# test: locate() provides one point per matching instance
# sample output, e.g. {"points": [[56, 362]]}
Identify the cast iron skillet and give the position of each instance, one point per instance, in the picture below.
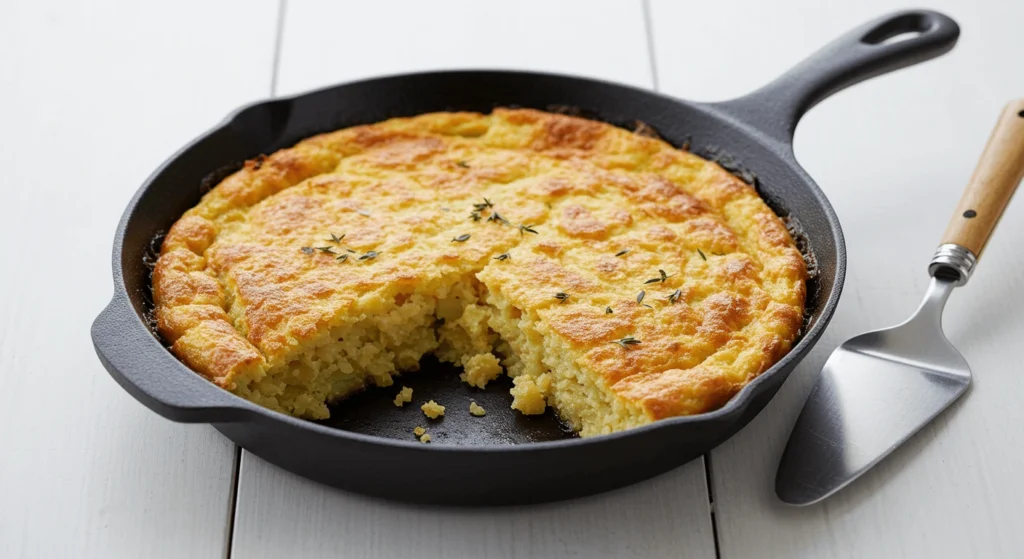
{"points": [[502, 458]]}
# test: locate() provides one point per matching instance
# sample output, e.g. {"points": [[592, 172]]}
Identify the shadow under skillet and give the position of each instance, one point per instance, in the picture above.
{"points": [[373, 412]]}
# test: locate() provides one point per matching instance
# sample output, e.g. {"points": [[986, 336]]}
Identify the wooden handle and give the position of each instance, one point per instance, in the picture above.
{"points": [[997, 175]]}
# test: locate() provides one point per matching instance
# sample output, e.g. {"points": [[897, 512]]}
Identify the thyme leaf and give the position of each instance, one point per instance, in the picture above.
{"points": [[307, 250], [342, 257], [336, 239], [369, 255], [562, 296], [503, 256], [640, 297], [461, 238], [497, 218], [701, 253], [608, 310], [662, 277], [622, 252], [674, 297], [528, 229], [627, 341]]}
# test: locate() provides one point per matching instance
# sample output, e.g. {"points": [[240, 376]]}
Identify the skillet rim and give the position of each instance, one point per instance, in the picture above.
{"points": [[253, 413]]}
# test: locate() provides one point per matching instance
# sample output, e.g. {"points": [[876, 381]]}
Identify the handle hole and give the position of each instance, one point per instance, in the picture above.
{"points": [[1021, 114], [898, 38], [898, 30], [970, 213]]}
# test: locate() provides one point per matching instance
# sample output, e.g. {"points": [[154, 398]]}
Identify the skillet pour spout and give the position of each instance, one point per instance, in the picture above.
{"points": [[752, 134]]}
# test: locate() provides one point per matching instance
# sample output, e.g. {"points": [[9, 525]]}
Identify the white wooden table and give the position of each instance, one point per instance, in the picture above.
{"points": [[93, 95]]}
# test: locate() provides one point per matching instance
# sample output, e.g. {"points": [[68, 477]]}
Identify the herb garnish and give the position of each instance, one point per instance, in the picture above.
{"points": [[496, 217], [369, 255], [608, 310], [350, 250], [528, 229], [336, 239], [484, 205], [627, 341], [622, 252], [640, 299], [328, 250], [363, 213], [342, 257], [562, 296], [462, 164], [717, 253], [502, 256], [307, 250], [461, 238], [661, 279], [475, 216], [674, 297], [701, 253]]}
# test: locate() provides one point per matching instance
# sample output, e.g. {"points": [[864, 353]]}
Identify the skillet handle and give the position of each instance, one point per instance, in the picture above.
{"points": [[144, 368], [858, 55]]}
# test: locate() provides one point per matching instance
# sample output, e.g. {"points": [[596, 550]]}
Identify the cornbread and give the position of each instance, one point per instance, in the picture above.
{"points": [[614, 277], [432, 409], [418, 431], [477, 409], [403, 397], [424, 438]]}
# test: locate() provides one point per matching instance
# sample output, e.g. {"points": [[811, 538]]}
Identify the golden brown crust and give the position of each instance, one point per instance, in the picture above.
{"points": [[235, 291]]}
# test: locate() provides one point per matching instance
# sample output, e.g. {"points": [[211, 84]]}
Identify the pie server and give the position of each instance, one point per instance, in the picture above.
{"points": [[879, 388]]}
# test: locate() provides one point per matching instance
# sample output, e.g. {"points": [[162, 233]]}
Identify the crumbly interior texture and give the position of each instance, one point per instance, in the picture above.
{"points": [[616, 279]]}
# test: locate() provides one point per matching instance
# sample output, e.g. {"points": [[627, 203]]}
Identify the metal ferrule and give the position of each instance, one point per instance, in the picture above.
{"points": [[953, 260]]}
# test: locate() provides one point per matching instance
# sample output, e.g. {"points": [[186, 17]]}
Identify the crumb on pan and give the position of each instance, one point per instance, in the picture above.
{"points": [[432, 409], [403, 397], [418, 431], [424, 438], [476, 409]]}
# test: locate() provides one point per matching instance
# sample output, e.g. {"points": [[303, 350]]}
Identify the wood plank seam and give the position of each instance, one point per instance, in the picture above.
{"points": [[233, 501], [653, 61], [649, 32], [282, 7], [236, 478], [711, 504]]}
